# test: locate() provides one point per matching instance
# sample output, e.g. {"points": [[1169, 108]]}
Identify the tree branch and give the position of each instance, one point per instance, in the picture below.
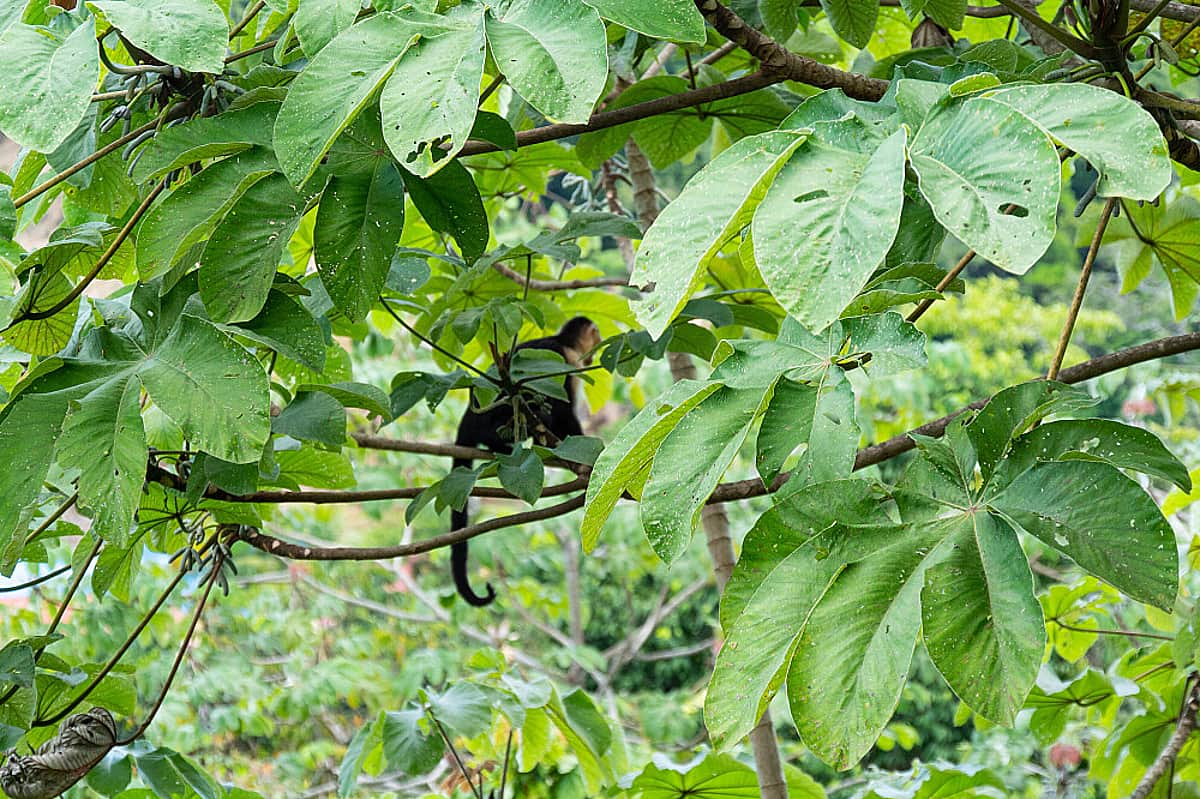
{"points": [[1166, 758], [778, 60], [726, 492], [662, 105]]}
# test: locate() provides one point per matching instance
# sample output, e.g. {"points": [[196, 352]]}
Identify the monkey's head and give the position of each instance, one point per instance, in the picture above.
{"points": [[579, 336]]}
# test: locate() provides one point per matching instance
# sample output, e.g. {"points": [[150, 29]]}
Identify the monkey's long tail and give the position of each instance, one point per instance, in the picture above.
{"points": [[458, 557]]}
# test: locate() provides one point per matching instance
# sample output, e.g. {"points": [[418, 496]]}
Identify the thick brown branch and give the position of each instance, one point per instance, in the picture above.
{"points": [[778, 60], [897, 445], [632, 113]]}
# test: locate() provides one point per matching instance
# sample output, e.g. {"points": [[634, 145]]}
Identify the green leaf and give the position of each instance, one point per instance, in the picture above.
{"points": [[354, 395], [49, 80], [1011, 412], [710, 211], [494, 128], [625, 463], [368, 738], [522, 474], [553, 53], [677, 20], [29, 428], [711, 777], [315, 468], [169, 773], [1116, 135], [464, 708], [317, 22], [407, 747], [359, 221], [449, 202], [334, 88], [313, 416], [190, 34], [238, 266], [103, 433], [853, 20], [821, 416], [206, 138], [852, 658], [789, 559], [829, 219], [974, 160], [1100, 519], [16, 665], [188, 215], [429, 103], [690, 462], [982, 625], [664, 138], [287, 327], [213, 390], [1101, 440]]}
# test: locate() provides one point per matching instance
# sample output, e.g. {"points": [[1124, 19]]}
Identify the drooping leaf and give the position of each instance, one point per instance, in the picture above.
{"points": [[989, 658], [853, 20], [334, 88], [103, 432], [359, 221], [992, 178], [190, 34], [625, 463], [690, 462], [554, 54], [49, 79], [239, 262], [713, 208], [829, 219], [449, 202]]}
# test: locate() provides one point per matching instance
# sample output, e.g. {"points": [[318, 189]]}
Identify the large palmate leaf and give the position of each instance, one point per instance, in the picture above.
{"points": [[829, 218], [191, 34], [1170, 236], [713, 208], [199, 377], [832, 591], [553, 53], [49, 79], [1116, 135], [335, 87], [429, 102], [992, 178]]}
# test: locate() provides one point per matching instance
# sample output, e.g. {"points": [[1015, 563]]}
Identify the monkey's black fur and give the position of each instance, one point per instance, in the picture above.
{"points": [[492, 428]]}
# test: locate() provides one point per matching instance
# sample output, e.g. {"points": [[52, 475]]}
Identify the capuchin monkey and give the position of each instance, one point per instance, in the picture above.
{"points": [[547, 419]]}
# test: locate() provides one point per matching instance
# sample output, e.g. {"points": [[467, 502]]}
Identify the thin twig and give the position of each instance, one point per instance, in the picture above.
{"points": [[1077, 301], [217, 561], [94, 272], [558, 285], [36, 581], [251, 13]]}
